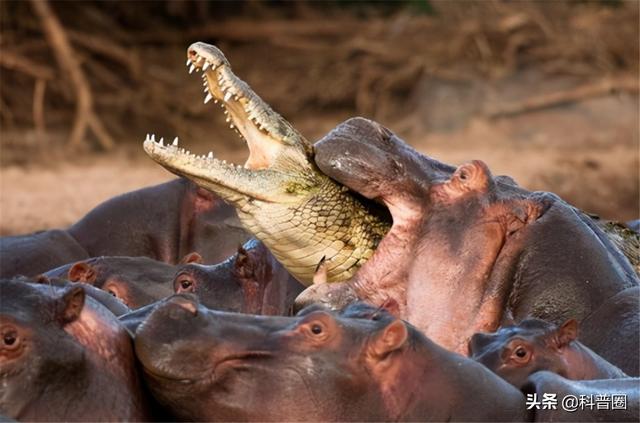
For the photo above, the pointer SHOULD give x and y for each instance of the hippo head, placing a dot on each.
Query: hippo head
(64, 357)
(34, 344)
(467, 251)
(515, 352)
(215, 286)
(451, 226)
(136, 281)
(203, 364)
(251, 281)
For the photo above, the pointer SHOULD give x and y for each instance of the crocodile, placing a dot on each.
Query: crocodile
(281, 196)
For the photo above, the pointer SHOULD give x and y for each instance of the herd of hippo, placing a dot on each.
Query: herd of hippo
(354, 279)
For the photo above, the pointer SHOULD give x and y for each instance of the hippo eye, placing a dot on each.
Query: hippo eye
(521, 354)
(316, 329)
(10, 339)
(185, 284)
(110, 291)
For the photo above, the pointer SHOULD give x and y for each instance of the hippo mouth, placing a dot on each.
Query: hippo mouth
(211, 374)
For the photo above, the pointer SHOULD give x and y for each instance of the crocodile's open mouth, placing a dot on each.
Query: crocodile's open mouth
(267, 134)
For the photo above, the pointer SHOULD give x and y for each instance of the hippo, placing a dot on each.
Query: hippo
(251, 281)
(361, 364)
(468, 251)
(515, 352)
(30, 255)
(64, 357)
(603, 400)
(163, 222)
(136, 281)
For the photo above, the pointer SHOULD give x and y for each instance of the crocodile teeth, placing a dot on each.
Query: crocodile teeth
(175, 142)
(208, 98)
(210, 155)
(192, 68)
(231, 126)
(227, 96)
(161, 142)
(153, 137)
(205, 66)
(188, 62)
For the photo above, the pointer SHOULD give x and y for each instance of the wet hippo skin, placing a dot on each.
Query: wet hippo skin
(361, 365)
(251, 281)
(163, 222)
(468, 251)
(64, 357)
(515, 352)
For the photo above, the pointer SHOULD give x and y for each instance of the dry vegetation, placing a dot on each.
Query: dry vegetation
(544, 91)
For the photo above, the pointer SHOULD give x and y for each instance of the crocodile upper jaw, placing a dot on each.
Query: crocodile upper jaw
(270, 138)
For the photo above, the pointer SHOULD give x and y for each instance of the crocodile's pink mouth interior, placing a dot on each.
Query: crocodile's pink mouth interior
(242, 113)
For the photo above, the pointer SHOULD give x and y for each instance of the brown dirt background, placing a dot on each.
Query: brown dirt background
(437, 73)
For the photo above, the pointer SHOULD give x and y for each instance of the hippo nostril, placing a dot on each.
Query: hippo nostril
(186, 303)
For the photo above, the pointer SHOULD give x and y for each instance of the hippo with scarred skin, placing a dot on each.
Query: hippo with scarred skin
(360, 365)
(469, 252)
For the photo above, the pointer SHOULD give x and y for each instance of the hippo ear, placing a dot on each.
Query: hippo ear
(192, 258)
(473, 176)
(391, 306)
(82, 272)
(70, 304)
(392, 338)
(43, 279)
(567, 333)
(252, 265)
